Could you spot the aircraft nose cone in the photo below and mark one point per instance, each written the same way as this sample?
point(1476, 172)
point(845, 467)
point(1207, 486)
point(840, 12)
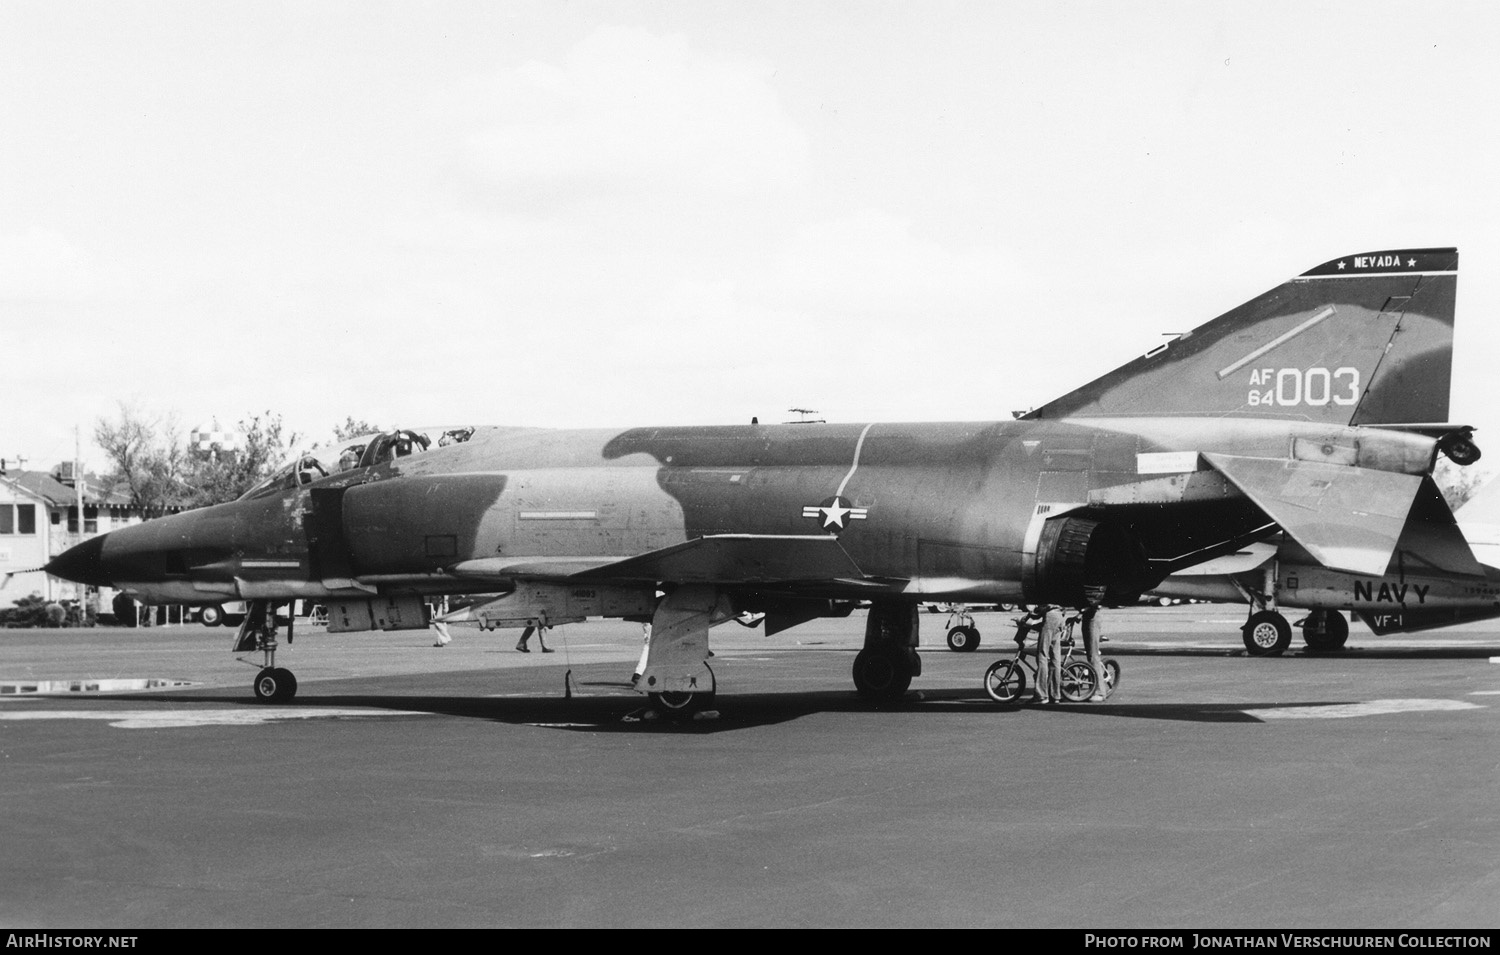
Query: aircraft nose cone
point(82, 563)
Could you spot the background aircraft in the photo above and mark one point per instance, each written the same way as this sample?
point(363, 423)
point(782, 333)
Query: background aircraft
point(1418, 590)
point(1314, 409)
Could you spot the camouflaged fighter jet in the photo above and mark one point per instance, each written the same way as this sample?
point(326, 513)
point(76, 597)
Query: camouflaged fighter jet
point(1315, 410)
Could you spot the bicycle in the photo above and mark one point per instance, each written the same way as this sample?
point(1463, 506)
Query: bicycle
point(1005, 681)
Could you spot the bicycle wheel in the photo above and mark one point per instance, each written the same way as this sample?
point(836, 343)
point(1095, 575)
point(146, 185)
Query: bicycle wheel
point(1005, 681)
point(1077, 681)
point(1111, 677)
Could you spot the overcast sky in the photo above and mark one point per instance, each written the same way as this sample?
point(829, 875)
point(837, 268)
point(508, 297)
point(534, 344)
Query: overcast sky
point(615, 213)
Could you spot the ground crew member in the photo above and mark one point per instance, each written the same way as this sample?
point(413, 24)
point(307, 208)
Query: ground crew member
point(1049, 655)
point(537, 627)
point(1093, 633)
point(1028, 621)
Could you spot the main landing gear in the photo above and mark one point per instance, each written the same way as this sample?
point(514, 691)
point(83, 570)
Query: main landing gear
point(883, 670)
point(1267, 632)
point(257, 633)
point(963, 636)
point(674, 671)
point(1325, 631)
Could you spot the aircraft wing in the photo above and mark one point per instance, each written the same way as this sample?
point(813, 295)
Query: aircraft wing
point(716, 559)
point(1348, 518)
point(737, 559)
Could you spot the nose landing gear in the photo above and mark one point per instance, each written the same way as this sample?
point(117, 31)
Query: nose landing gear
point(257, 633)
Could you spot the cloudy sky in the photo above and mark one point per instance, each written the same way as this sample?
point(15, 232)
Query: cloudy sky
point(623, 213)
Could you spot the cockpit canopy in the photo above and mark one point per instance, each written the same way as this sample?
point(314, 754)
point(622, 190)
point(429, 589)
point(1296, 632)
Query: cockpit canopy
point(359, 451)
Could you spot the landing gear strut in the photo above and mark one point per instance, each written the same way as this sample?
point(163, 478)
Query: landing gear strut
point(674, 671)
point(1266, 632)
point(257, 633)
point(883, 670)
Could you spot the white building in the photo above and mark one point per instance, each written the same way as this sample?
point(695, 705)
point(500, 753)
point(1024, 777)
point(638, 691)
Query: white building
point(39, 520)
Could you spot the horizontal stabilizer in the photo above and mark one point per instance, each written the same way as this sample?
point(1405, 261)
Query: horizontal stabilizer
point(1431, 542)
point(737, 558)
point(1348, 518)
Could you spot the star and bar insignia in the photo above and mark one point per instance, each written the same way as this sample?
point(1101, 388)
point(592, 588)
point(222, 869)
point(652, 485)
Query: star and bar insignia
point(835, 513)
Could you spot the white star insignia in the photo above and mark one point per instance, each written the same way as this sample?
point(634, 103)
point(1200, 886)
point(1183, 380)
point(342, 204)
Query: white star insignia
point(833, 514)
point(1341, 265)
point(836, 514)
point(1410, 262)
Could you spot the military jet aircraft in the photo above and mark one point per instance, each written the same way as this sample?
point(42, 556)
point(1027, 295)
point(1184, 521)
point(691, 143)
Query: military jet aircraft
point(1316, 409)
point(1424, 587)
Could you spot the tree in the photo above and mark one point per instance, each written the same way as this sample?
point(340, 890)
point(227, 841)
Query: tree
point(146, 457)
point(220, 476)
point(1458, 484)
point(353, 429)
point(152, 463)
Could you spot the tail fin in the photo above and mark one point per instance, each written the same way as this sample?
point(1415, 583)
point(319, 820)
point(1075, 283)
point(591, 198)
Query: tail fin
point(1365, 339)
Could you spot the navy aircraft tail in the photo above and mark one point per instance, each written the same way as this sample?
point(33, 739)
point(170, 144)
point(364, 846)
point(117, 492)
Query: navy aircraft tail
point(1364, 340)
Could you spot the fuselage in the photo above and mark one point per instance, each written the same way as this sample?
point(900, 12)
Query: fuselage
point(931, 509)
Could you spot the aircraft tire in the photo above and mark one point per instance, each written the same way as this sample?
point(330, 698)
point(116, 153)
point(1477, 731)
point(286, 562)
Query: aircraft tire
point(1077, 681)
point(1335, 633)
point(275, 685)
point(675, 704)
point(1266, 633)
point(963, 639)
point(881, 676)
point(1111, 677)
point(1005, 681)
point(212, 616)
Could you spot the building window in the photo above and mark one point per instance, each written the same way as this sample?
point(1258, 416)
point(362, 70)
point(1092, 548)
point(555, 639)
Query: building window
point(25, 518)
point(7, 519)
point(90, 519)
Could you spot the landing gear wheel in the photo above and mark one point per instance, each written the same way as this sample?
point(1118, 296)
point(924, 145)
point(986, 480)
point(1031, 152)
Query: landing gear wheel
point(963, 639)
point(1077, 681)
point(275, 685)
point(676, 704)
point(1331, 636)
point(1111, 677)
point(212, 616)
point(882, 677)
point(1005, 681)
point(1266, 633)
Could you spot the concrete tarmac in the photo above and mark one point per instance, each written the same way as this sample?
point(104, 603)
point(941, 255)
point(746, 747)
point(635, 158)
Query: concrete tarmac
point(412, 786)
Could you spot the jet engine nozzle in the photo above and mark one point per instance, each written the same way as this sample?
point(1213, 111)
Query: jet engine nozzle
point(1460, 448)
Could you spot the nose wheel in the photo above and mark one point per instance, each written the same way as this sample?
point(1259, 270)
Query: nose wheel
point(257, 633)
point(275, 685)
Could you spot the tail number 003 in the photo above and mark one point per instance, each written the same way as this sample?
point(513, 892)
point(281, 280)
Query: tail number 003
point(1296, 386)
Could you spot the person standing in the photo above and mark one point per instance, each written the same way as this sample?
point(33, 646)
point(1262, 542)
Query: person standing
point(1093, 634)
point(537, 627)
point(1049, 655)
point(434, 620)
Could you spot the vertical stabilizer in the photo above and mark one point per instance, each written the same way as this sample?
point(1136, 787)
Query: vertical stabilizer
point(1364, 339)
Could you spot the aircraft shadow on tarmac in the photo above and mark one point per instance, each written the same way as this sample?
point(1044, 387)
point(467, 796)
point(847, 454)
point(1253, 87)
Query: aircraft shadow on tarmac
point(631, 714)
point(1407, 652)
